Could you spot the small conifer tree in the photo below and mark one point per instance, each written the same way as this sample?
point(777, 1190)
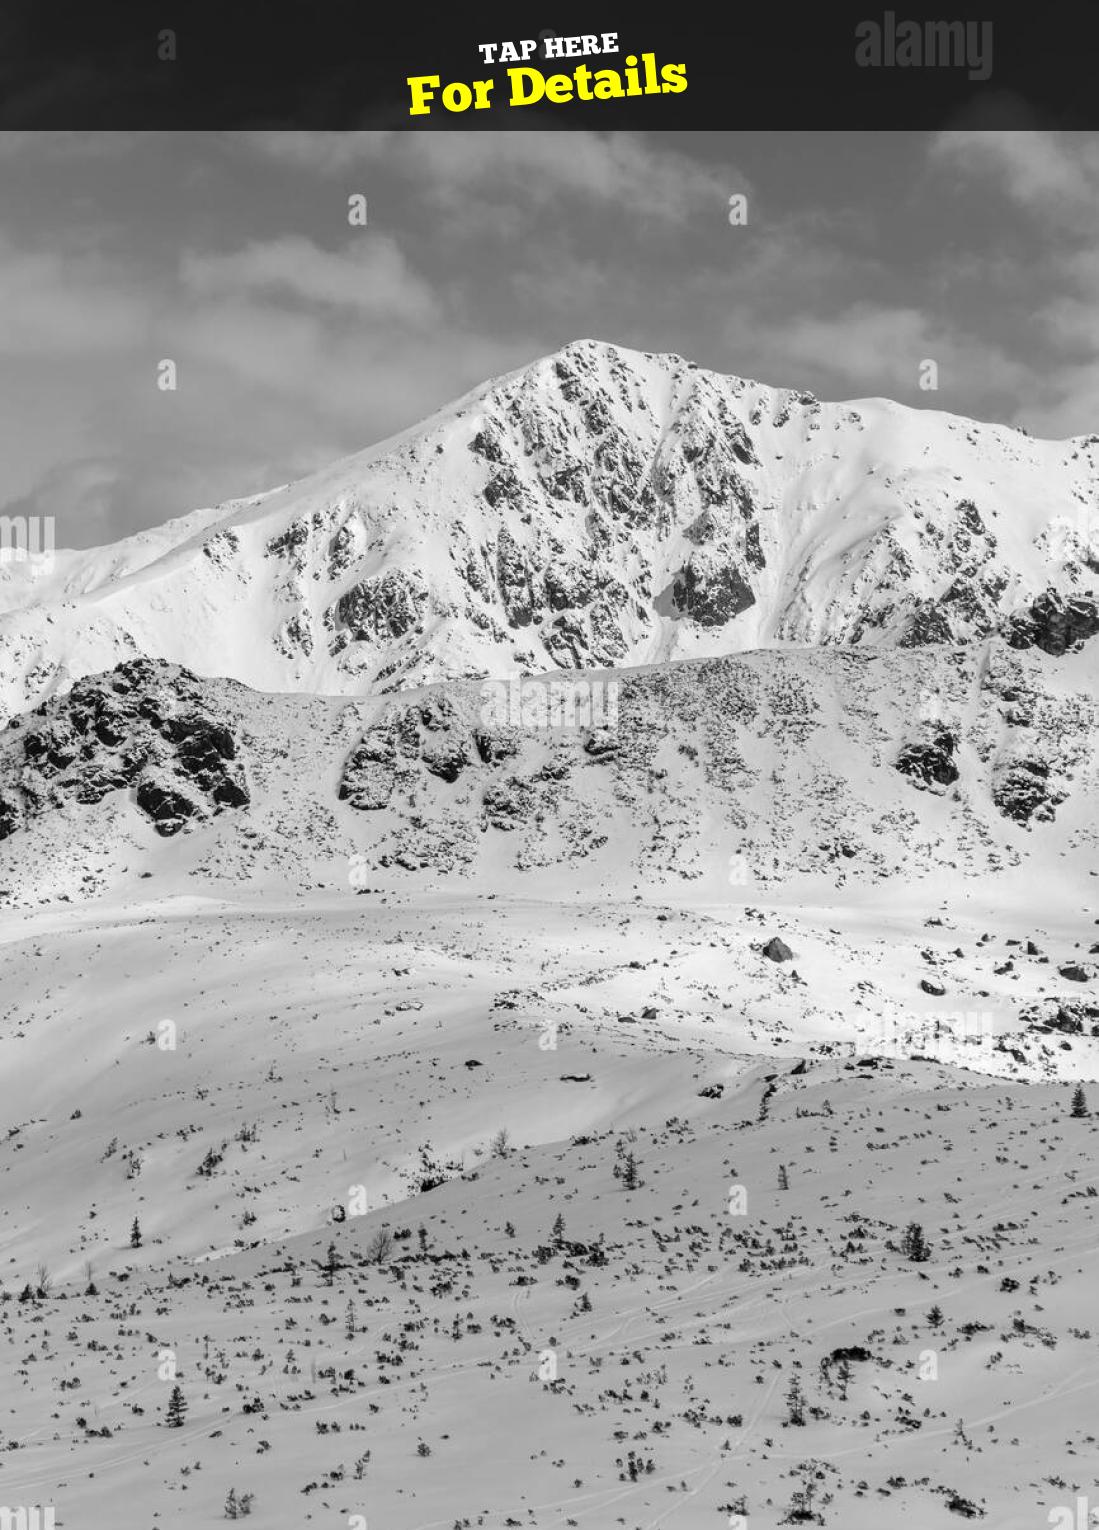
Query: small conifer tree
point(914, 1245)
point(177, 1409)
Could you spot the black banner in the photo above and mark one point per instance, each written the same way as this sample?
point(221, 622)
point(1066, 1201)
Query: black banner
point(340, 64)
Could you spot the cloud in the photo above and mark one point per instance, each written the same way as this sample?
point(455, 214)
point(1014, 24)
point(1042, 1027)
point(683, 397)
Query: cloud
point(57, 305)
point(1070, 406)
point(371, 276)
point(84, 496)
point(1049, 172)
point(625, 170)
point(1053, 275)
point(878, 349)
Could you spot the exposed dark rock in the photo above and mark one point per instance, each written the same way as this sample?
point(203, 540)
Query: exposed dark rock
point(95, 784)
point(601, 744)
point(436, 712)
point(513, 579)
point(385, 607)
point(567, 585)
point(294, 537)
point(369, 773)
point(504, 488)
point(1071, 1017)
point(1054, 624)
point(776, 950)
point(446, 759)
point(970, 517)
point(493, 748)
point(341, 553)
point(753, 552)
point(49, 750)
point(231, 791)
point(486, 444)
point(926, 626)
point(569, 482)
point(144, 725)
point(170, 810)
point(930, 762)
point(1022, 790)
point(508, 802)
point(203, 746)
point(711, 592)
point(10, 817)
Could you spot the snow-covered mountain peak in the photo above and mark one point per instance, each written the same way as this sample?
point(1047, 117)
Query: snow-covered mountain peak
point(598, 507)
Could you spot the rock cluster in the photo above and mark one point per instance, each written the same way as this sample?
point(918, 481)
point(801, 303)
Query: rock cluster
point(145, 728)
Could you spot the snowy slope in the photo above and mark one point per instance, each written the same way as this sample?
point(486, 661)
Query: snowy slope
point(807, 782)
point(319, 1044)
point(777, 873)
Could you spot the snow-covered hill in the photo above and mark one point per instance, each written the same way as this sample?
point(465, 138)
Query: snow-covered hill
point(819, 783)
point(843, 766)
point(600, 507)
point(498, 942)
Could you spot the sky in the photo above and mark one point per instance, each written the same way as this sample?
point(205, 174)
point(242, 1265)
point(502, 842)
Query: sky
point(298, 337)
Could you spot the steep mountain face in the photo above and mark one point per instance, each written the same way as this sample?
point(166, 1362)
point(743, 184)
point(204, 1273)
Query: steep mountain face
point(601, 507)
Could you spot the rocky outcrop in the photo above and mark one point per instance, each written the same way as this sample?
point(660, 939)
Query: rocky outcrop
point(711, 591)
point(169, 808)
point(370, 773)
point(144, 727)
point(1054, 623)
point(1023, 790)
point(1070, 1017)
point(780, 762)
point(930, 763)
point(383, 608)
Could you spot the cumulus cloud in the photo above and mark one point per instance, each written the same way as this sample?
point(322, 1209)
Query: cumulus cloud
point(1053, 173)
point(371, 276)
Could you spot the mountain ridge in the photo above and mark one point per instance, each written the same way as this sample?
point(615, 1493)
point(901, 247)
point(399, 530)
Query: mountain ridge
point(599, 507)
